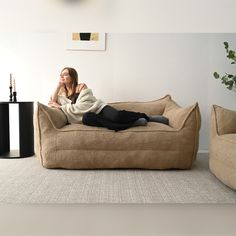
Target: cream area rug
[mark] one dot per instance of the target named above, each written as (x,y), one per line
(26,181)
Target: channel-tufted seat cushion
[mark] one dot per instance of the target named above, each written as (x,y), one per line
(155,146)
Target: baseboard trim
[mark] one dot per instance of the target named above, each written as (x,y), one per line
(203,153)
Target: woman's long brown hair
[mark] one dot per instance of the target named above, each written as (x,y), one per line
(74,77)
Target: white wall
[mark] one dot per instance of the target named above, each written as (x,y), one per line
(139,66)
(119,15)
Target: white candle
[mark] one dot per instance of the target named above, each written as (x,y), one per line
(10,80)
(14,85)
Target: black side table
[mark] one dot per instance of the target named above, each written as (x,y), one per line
(26,130)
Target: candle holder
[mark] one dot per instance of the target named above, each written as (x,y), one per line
(14,97)
(10,100)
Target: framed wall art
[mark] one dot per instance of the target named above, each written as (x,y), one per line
(86,41)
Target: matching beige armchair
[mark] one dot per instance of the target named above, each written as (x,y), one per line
(222,152)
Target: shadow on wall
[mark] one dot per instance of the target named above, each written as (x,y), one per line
(73,1)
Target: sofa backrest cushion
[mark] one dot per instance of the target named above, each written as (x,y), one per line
(155,107)
(225,120)
(178,115)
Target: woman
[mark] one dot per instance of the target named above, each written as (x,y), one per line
(76,100)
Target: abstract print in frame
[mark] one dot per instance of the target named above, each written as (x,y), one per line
(86,41)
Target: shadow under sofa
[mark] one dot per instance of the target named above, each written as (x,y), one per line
(155,146)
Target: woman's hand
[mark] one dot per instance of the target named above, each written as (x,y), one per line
(54,96)
(54,105)
(61,83)
(80,87)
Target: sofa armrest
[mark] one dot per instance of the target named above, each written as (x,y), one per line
(224,120)
(46,121)
(178,116)
(45,114)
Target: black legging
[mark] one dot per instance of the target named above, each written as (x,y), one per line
(112,119)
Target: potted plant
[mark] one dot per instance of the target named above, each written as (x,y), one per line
(229,80)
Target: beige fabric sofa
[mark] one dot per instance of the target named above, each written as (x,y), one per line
(155,146)
(222,155)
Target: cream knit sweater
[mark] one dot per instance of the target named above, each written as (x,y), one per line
(86,102)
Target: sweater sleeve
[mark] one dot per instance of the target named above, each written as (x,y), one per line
(85,102)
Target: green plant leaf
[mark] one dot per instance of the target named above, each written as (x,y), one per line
(224,79)
(231,54)
(216,75)
(226,46)
(230,76)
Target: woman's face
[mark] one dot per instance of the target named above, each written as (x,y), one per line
(65,77)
